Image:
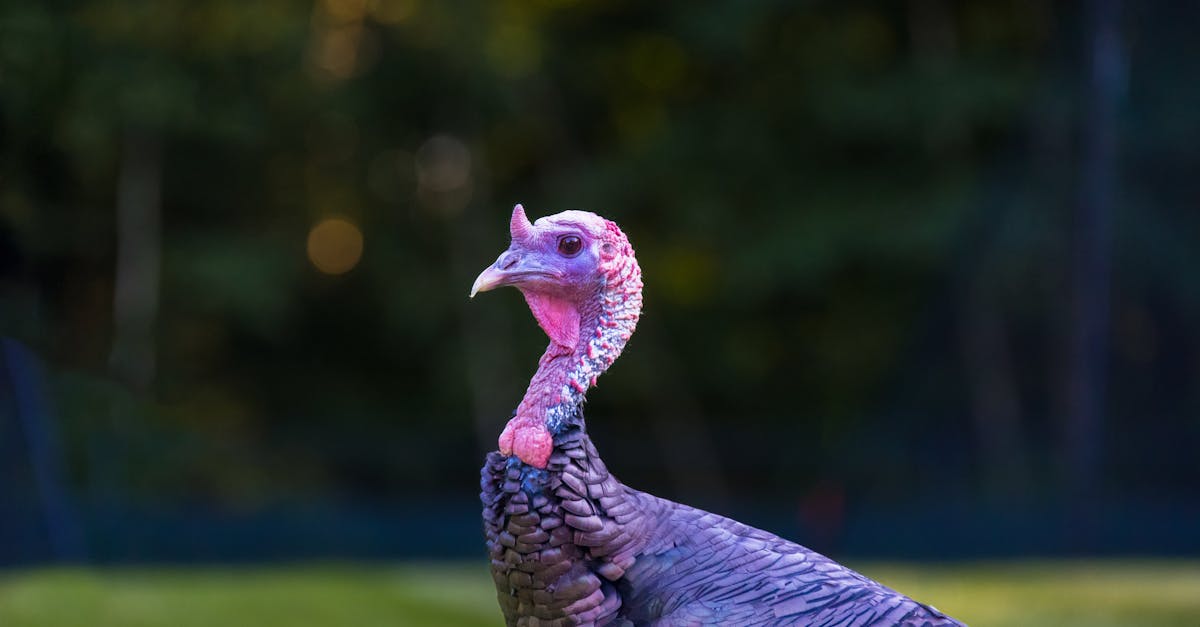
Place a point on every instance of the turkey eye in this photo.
(569, 245)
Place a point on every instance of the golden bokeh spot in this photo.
(335, 245)
(336, 51)
(346, 10)
(392, 11)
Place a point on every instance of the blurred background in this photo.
(919, 281)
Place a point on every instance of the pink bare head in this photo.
(567, 255)
(581, 281)
(563, 264)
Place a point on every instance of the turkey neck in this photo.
(606, 321)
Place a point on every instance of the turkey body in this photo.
(571, 545)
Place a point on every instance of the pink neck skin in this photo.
(585, 339)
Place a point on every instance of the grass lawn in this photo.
(1059, 593)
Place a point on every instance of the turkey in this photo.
(569, 543)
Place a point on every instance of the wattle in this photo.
(558, 317)
(527, 438)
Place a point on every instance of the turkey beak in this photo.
(512, 268)
(506, 271)
(489, 279)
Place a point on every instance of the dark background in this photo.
(920, 276)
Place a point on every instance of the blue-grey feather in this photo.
(572, 545)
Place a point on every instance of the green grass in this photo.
(1093, 593)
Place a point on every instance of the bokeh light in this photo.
(392, 11)
(443, 169)
(335, 245)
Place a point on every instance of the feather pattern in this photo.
(571, 545)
